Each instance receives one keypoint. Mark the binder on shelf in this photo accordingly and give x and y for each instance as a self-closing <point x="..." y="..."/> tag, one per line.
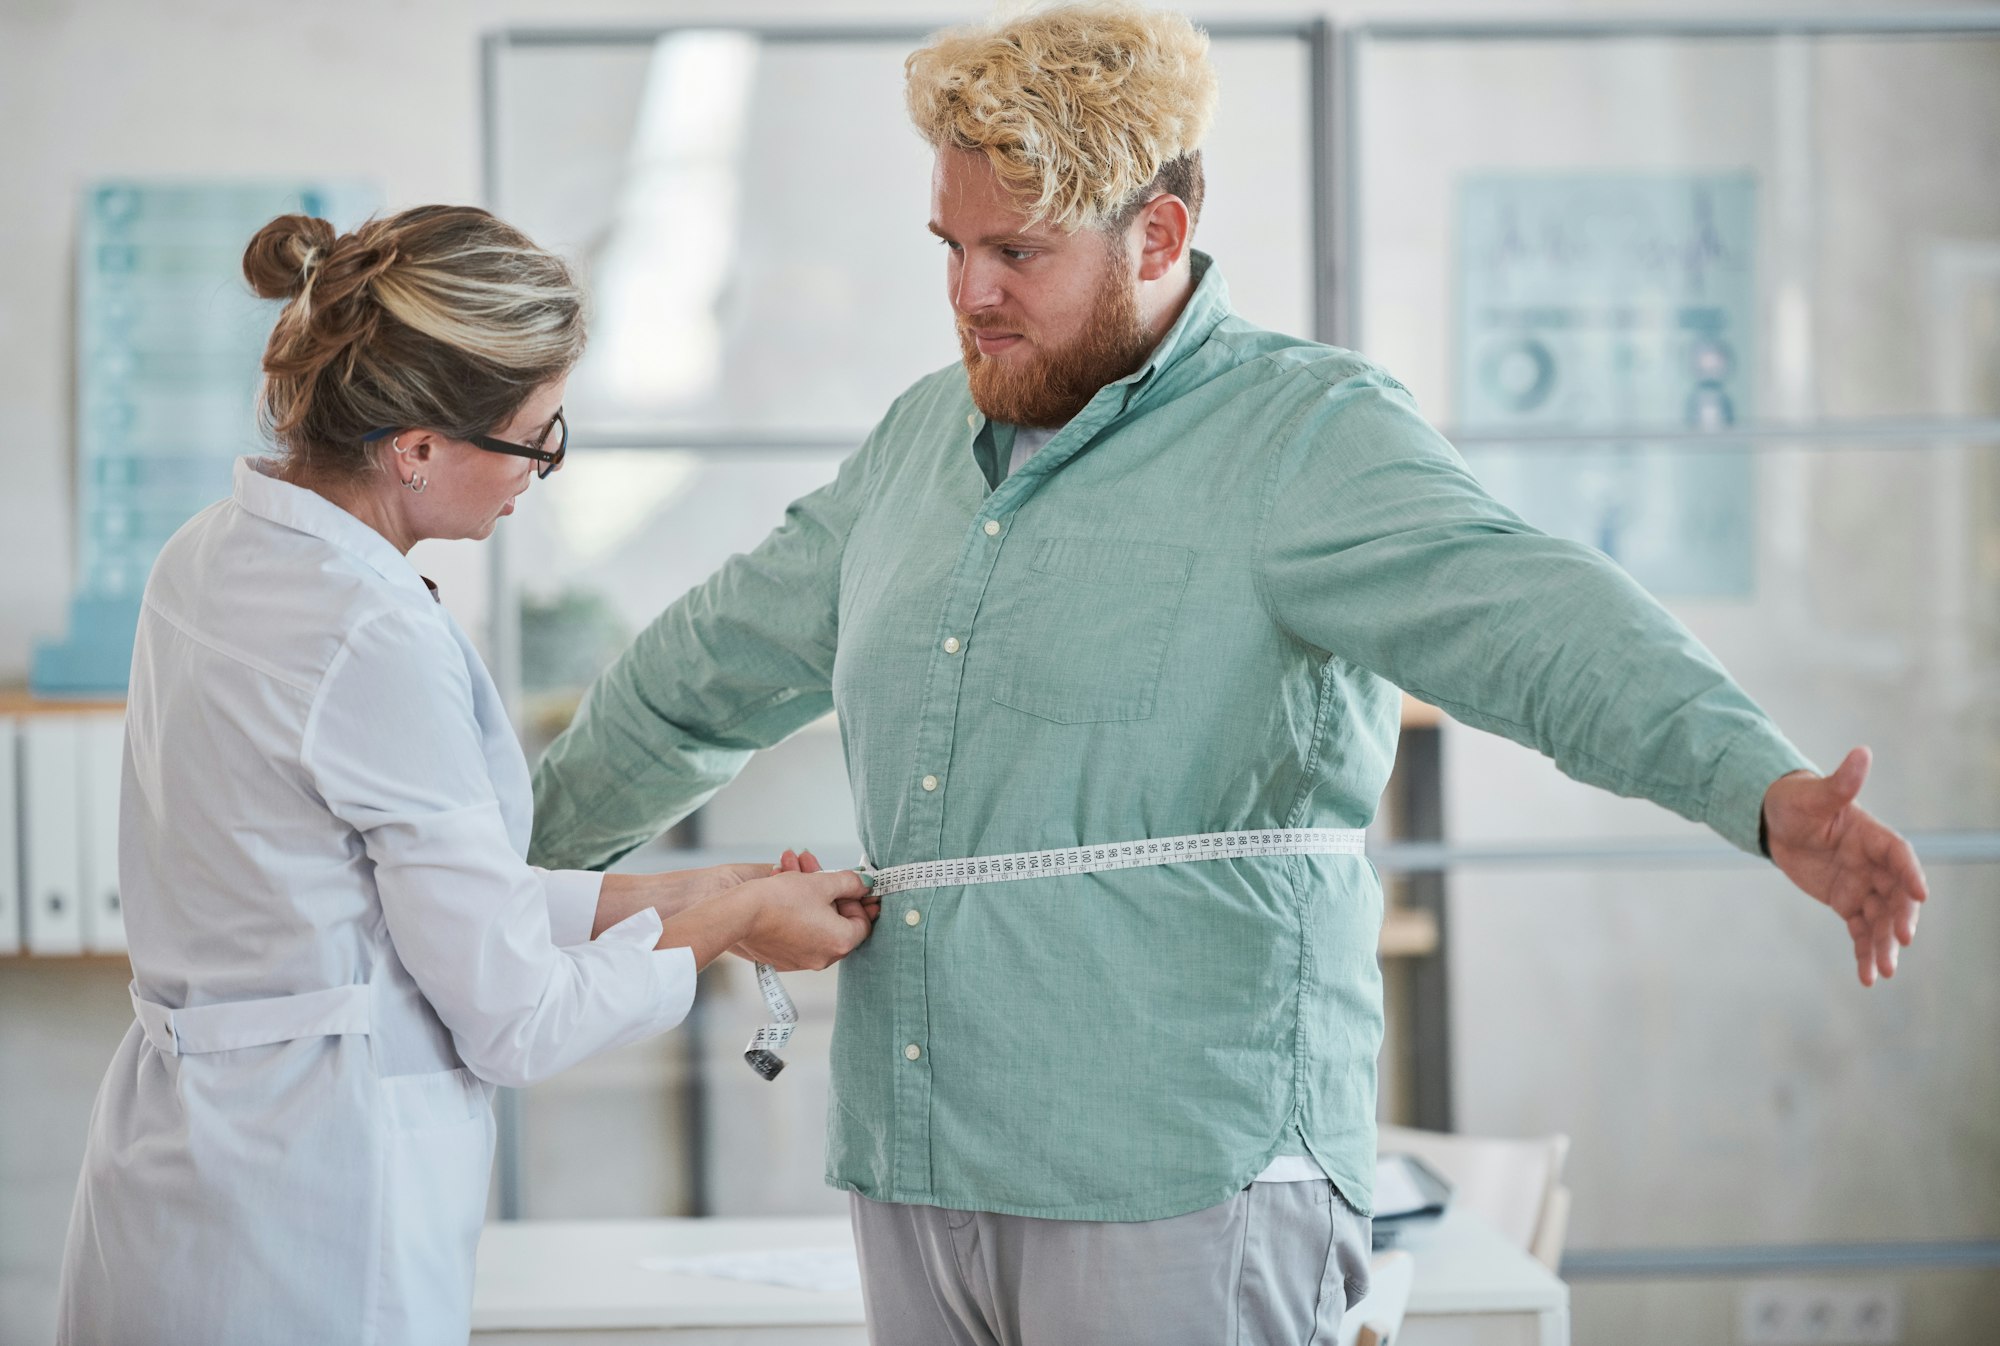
<point x="101" y="761"/>
<point x="10" y="850"/>
<point x="50" y="844"/>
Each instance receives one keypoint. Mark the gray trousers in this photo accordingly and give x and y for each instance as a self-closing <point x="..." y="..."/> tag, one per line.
<point x="1275" y="1265"/>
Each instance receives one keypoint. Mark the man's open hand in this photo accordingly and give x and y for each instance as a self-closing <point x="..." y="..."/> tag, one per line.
<point x="1841" y="854"/>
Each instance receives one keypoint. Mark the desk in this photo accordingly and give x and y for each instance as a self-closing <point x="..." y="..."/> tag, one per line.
<point x="579" y="1283"/>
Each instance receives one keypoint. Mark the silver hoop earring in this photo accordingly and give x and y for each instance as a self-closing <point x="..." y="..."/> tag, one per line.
<point x="418" y="484"/>
<point x="397" y="444"/>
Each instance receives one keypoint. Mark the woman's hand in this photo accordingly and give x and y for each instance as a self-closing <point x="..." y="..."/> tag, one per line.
<point x="805" y="919"/>
<point x="791" y="919"/>
<point x="805" y="862"/>
<point x="670" y="894"/>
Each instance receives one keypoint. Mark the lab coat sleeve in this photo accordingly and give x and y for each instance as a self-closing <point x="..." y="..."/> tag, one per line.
<point x="741" y="662"/>
<point x="1380" y="548"/>
<point x="393" y="746"/>
<point x="572" y="897"/>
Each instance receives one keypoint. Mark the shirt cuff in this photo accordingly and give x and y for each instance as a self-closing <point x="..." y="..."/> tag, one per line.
<point x="571" y="895"/>
<point x="674" y="978"/>
<point x="1755" y="758"/>
<point x="672" y="970"/>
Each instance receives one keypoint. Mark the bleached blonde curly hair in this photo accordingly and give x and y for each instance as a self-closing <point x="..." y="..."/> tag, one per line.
<point x="1085" y="111"/>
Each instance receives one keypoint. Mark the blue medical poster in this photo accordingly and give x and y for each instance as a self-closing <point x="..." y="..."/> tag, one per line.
<point x="1625" y="303"/>
<point x="169" y="341"/>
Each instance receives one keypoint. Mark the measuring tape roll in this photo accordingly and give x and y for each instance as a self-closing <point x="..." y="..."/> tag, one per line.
<point x="762" y="1053"/>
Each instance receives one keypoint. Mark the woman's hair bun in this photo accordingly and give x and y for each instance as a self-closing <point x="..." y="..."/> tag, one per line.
<point x="284" y="253"/>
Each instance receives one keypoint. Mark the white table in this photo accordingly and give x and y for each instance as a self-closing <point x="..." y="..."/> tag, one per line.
<point x="580" y="1283"/>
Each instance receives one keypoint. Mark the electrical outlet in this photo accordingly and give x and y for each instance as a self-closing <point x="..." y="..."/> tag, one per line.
<point x="1818" y="1313"/>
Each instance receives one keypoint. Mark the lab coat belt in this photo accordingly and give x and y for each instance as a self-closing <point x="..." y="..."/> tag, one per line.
<point x="253" y="1023"/>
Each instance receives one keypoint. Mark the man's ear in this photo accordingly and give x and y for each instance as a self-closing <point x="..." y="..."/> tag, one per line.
<point x="1163" y="235"/>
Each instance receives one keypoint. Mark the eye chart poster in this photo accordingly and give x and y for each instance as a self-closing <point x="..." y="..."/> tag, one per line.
<point x="169" y="340"/>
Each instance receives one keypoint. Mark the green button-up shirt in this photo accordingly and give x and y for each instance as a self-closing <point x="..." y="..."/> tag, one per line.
<point x="1189" y="612"/>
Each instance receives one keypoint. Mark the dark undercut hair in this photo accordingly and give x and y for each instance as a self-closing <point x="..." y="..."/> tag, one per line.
<point x="1180" y="176"/>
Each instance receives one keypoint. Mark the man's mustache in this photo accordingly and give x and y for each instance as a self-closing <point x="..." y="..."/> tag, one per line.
<point x="986" y="325"/>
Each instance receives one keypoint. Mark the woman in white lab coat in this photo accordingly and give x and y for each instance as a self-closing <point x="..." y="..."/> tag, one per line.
<point x="337" y="946"/>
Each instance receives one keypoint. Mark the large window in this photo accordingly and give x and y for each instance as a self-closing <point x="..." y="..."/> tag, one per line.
<point x="1723" y="300"/>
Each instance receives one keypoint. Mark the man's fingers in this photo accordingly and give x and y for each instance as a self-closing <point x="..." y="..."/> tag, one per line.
<point x="1848" y="892"/>
<point x="808" y="863"/>
<point x="1885" y="939"/>
<point x="1847" y="777"/>
<point x="1910" y="871"/>
<point x="1864" y="944"/>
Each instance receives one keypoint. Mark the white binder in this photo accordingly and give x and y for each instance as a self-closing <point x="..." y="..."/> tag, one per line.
<point x="50" y="898"/>
<point x="102" y="763"/>
<point x="10" y="850"/>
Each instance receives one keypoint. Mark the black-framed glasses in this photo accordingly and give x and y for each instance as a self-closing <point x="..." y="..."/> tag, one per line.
<point x="540" y="451"/>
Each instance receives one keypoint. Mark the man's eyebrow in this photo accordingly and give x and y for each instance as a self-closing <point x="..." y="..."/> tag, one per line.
<point x="991" y="240"/>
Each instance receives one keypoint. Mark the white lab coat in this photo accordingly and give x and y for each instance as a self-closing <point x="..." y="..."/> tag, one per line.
<point x="336" y="946"/>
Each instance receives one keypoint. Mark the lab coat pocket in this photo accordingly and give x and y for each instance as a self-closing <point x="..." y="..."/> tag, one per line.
<point x="1085" y="637"/>
<point x="439" y="1161"/>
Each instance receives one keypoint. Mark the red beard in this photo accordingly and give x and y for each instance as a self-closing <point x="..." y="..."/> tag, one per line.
<point x="1052" y="385"/>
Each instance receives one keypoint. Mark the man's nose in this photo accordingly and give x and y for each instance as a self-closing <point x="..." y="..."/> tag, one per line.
<point x="976" y="287"/>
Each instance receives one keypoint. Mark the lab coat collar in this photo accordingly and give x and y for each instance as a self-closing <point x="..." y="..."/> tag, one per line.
<point x="304" y="511"/>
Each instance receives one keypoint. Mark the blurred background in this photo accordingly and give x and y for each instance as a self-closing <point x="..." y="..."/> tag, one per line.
<point x="1718" y="294"/>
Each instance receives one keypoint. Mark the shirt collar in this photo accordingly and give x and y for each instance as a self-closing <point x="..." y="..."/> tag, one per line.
<point x="992" y="442"/>
<point x="1201" y="315"/>
<point x="1204" y="311"/>
<point x="259" y="492"/>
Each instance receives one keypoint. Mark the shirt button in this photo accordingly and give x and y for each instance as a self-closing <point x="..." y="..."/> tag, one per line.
<point x="972" y="420"/>
<point x="993" y="528"/>
<point x="912" y="1052"/>
<point x="930" y="783"/>
<point x="951" y="645"/>
<point x="912" y="916"/>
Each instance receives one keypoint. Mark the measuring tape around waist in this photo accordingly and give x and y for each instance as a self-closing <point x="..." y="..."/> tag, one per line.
<point x="762" y="1053"/>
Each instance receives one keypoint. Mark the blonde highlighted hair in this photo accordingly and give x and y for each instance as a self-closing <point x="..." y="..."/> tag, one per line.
<point x="440" y="318"/>
<point x="1085" y="111"/>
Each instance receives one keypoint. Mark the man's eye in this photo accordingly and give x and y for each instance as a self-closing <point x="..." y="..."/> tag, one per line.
<point x="1016" y="254"/>
<point x="947" y="243"/>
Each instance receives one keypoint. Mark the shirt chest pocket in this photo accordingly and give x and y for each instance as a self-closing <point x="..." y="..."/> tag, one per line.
<point x="1084" y="639"/>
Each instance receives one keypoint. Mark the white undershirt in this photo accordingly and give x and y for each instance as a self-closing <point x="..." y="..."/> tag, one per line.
<point x="1028" y="441"/>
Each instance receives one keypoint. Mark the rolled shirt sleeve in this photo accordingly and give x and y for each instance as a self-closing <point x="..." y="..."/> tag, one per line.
<point x="1381" y="548"/>
<point x="393" y="746"/>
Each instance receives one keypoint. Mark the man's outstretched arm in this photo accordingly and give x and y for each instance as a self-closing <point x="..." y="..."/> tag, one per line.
<point x="739" y="663"/>
<point x="1380" y="548"/>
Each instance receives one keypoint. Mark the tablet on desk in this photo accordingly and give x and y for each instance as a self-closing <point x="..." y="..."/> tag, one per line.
<point x="1410" y="1196"/>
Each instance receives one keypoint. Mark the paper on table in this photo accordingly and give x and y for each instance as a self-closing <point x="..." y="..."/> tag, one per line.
<point x="824" y="1269"/>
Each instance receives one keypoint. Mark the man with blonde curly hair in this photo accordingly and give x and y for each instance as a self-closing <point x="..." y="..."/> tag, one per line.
<point x="1114" y="613"/>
